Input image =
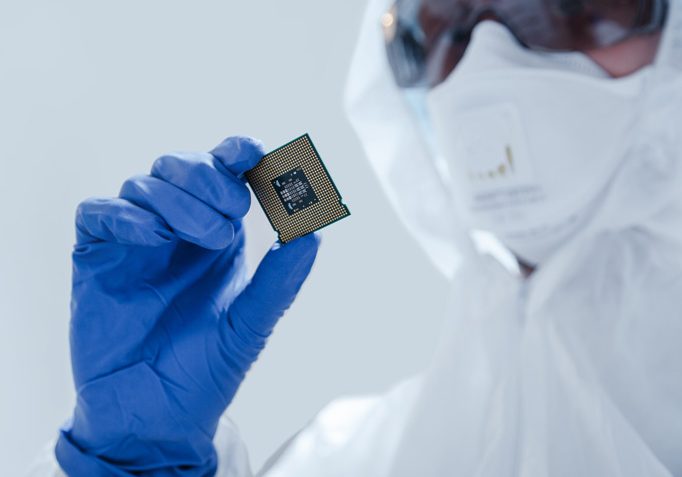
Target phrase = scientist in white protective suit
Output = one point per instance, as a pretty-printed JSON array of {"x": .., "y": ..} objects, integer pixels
[{"x": 547, "y": 137}]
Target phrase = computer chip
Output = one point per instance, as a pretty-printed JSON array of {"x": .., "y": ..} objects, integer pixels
[{"x": 295, "y": 190}]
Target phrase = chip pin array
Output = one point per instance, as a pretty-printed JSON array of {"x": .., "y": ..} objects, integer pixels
[{"x": 295, "y": 190}]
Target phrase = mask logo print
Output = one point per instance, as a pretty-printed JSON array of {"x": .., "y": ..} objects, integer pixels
[
  {"x": 492, "y": 152},
  {"x": 504, "y": 169}
]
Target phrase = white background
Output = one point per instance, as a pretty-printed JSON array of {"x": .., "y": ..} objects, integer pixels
[{"x": 92, "y": 91}]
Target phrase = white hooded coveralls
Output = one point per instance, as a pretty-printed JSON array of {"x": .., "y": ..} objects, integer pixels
[{"x": 576, "y": 371}]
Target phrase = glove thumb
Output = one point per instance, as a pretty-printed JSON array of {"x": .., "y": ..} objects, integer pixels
[{"x": 273, "y": 288}]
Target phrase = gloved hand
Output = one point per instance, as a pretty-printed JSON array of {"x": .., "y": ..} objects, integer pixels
[{"x": 163, "y": 330}]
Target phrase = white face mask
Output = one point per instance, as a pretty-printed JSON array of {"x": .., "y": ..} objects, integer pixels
[{"x": 530, "y": 139}]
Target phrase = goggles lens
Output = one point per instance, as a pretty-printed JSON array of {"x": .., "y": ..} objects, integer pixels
[{"x": 425, "y": 39}]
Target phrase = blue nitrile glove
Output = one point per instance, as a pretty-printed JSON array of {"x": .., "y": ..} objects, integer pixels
[{"x": 162, "y": 329}]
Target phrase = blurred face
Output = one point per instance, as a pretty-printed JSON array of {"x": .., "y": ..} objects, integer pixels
[
  {"x": 426, "y": 39},
  {"x": 628, "y": 56},
  {"x": 425, "y": 43}
]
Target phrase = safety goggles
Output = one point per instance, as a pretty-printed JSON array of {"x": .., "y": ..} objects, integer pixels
[{"x": 425, "y": 39}]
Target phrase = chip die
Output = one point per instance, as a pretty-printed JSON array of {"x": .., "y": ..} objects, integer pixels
[{"x": 295, "y": 190}]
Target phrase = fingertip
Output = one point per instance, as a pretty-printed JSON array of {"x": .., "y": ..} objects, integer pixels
[
  {"x": 238, "y": 154},
  {"x": 301, "y": 249},
  {"x": 240, "y": 203},
  {"x": 219, "y": 238},
  {"x": 307, "y": 242},
  {"x": 318, "y": 238},
  {"x": 133, "y": 186},
  {"x": 162, "y": 165},
  {"x": 227, "y": 237}
]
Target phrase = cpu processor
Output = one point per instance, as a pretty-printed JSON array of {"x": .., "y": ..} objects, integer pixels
[{"x": 295, "y": 190}]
